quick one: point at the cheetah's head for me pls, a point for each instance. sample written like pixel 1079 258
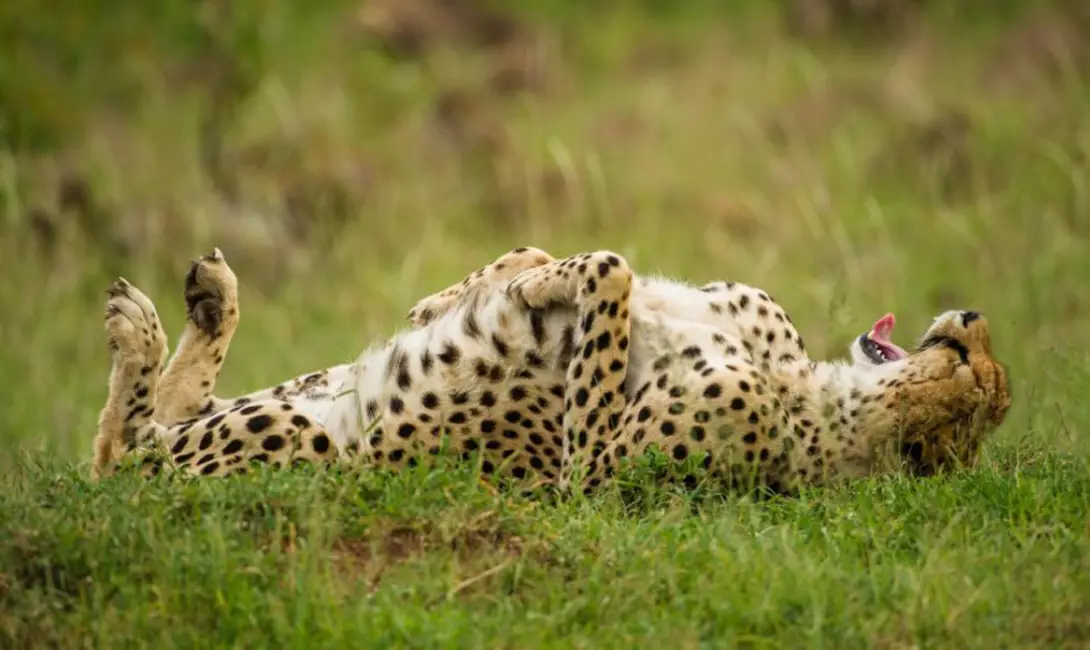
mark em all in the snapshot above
pixel 945 395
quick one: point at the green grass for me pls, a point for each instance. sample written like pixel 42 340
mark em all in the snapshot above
pixel 998 558
pixel 913 175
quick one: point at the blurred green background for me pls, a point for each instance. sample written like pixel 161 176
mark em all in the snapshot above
pixel 850 157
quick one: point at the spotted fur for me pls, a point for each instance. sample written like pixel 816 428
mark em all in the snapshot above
pixel 555 371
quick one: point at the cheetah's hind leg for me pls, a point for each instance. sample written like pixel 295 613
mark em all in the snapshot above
pixel 212 316
pixel 270 431
pixel 599 285
pixel 138 345
pixel 489 277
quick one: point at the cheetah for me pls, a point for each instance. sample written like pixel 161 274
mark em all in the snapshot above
pixel 556 371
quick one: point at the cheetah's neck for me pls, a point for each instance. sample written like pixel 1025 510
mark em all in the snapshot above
pixel 838 418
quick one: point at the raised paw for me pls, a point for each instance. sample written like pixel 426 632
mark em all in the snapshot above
pixel 432 307
pixel 488 278
pixel 543 286
pixel 587 276
pixel 211 295
pixel 133 330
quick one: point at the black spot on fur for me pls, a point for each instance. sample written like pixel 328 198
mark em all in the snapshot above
pixel 470 325
pixel 537 326
pixel 604 339
pixel 450 354
pixel 258 423
pixel 501 348
pixel 179 445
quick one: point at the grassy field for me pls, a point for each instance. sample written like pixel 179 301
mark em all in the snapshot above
pixel 352 159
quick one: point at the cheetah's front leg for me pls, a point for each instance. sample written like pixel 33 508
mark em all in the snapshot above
pixel 599 285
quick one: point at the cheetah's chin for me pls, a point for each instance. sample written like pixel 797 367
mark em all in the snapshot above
pixel 877 344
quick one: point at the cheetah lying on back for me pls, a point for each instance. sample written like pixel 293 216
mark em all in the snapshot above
pixel 555 371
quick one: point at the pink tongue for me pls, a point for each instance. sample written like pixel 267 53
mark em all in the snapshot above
pixel 880 334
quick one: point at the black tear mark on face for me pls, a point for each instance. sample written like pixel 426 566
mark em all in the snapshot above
pixel 947 342
pixel 968 317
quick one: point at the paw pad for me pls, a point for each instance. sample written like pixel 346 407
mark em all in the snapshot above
pixel 210 293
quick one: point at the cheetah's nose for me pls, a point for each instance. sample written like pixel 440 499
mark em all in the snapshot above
pixel 968 317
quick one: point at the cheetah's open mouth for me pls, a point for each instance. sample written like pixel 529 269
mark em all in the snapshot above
pixel 877 345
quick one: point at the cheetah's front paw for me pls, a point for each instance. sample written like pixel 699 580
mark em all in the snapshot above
pixel 542 286
pixel 133 331
pixel 483 280
pixel 211 295
pixel 432 307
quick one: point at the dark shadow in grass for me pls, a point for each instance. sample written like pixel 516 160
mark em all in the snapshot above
pixel 389 544
pixel 655 481
pixel 36 563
